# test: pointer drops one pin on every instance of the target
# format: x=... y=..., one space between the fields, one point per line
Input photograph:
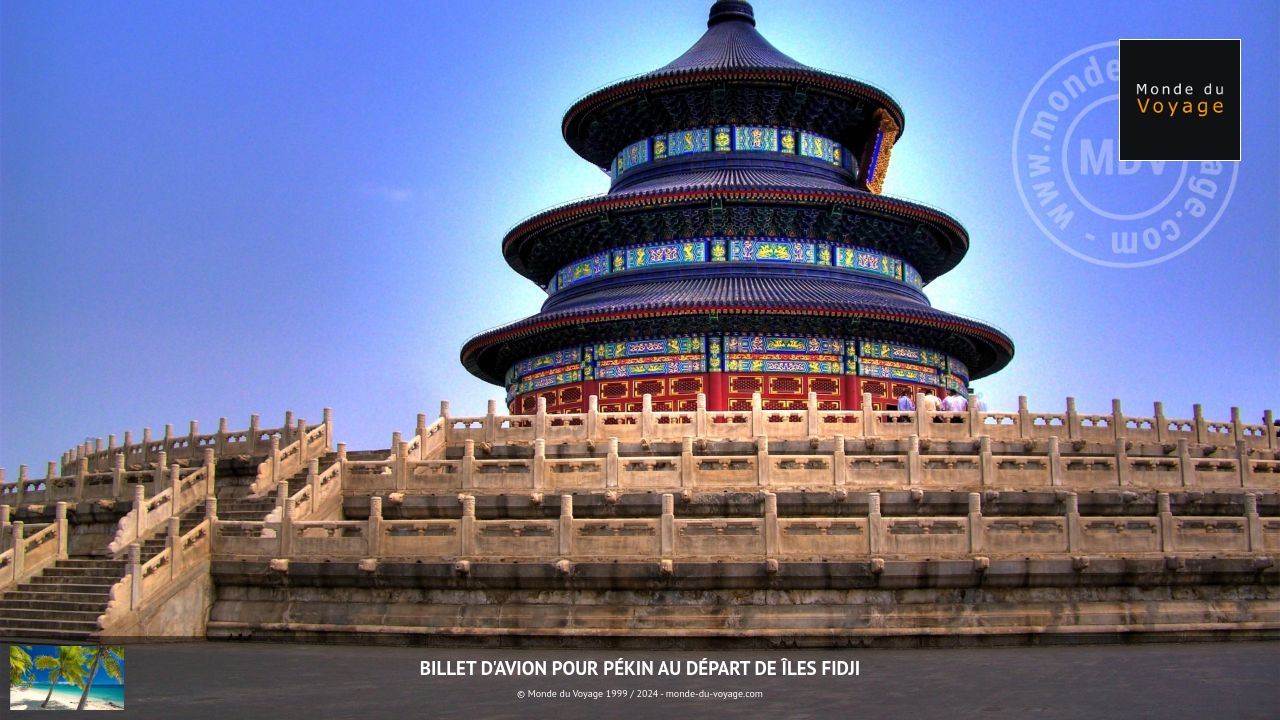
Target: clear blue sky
x=224 y=208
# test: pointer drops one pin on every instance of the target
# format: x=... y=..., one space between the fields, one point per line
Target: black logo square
x=1180 y=100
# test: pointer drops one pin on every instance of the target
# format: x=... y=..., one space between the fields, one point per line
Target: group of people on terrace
x=954 y=402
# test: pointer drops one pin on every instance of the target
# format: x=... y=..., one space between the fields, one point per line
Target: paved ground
x=223 y=681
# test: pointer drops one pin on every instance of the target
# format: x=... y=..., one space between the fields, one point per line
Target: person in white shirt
x=930 y=403
x=956 y=403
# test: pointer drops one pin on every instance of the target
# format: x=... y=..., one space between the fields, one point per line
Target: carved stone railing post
x=60 y=518
x=593 y=418
x=192 y=443
x=868 y=419
x=313 y=471
x=1253 y=522
x=612 y=464
x=839 y=465
x=875 y=523
x=5 y=512
x=1073 y=522
x=700 y=425
x=220 y=442
x=1242 y=463
x=975 y=522
x=468 y=525
x=139 y=509
x=300 y=437
x=373 y=533
x=173 y=541
x=1025 y=428
x=566 y=525
x=135 y=576
x=647 y=423
x=915 y=468
x=254 y=432
x=1237 y=427
x=327 y=419
x=1164 y=510
x=667 y=532
x=1055 y=462
x=287 y=429
x=1269 y=420
x=19 y=549
x=117 y=476
x=468 y=464
x=1074 y=431
x=446 y=426
x=772 y=536
x=1122 y=461
x=540 y=419
x=175 y=489
x=1117 y=419
x=22 y=486
x=539 y=469
x=986 y=461
x=491 y=421
x=1186 y=468
x=210 y=471
x=1202 y=430
x=211 y=514
x=166 y=445
x=282 y=494
x=686 y=462
x=50 y=472
x=286 y=527
x=762 y=460
x=82 y=472
x=1162 y=424
x=757 y=415
x=920 y=419
x=399 y=469
x=813 y=422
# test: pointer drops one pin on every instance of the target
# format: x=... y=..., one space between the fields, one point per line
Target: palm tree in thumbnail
x=110 y=657
x=67 y=665
x=19 y=664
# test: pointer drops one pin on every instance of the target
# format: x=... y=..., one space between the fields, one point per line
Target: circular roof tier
x=736 y=202
x=730 y=75
x=735 y=302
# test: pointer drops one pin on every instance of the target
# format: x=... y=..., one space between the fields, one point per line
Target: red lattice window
x=664 y=406
x=686 y=386
x=745 y=384
x=784 y=386
x=776 y=405
x=633 y=407
x=739 y=404
x=650 y=387
x=899 y=388
x=571 y=395
x=550 y=397
x=688 y=405
x=873 y=387
x=610 y=407
x=613 y=389
x=529 y=404
x=829 y=405
x=824 y=386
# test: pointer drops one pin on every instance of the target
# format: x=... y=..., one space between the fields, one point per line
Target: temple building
x=744 y=247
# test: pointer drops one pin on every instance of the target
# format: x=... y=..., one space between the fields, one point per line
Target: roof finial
x=724 y=10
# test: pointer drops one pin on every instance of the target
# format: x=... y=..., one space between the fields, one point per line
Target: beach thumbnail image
x=66 y=677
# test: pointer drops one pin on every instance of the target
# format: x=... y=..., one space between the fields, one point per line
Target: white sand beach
x=30 y=699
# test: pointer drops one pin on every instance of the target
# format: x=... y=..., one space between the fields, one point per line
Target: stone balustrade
x=711 y=464
x=254 y=440
x=27 y=556
x=1070 y=425
x=766 y=536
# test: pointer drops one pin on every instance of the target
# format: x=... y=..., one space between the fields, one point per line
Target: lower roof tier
x=730 y=301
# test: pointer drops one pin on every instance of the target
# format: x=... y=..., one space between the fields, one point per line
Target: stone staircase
x=63 y=602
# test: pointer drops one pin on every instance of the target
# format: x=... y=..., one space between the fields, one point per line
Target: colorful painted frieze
x=903 y=353
x=642 y=348
x=584 y=269
x=651 y=367
x=781 y=344
x=759 y=250
x=898 y=371
x=568 y=356
x=750 y=138
x=816 y=146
